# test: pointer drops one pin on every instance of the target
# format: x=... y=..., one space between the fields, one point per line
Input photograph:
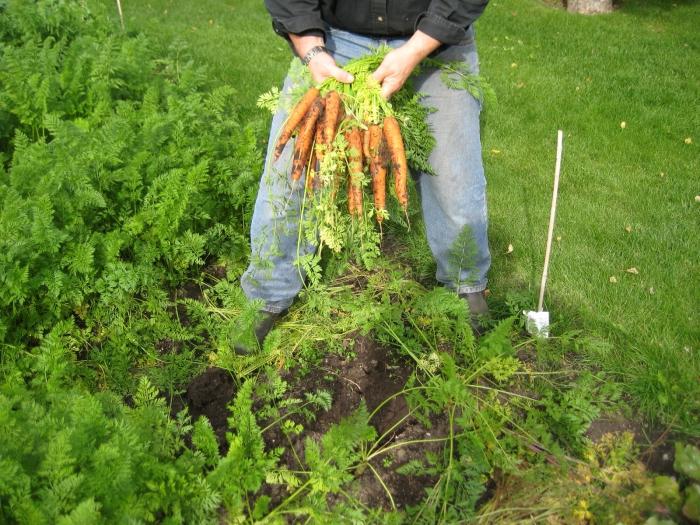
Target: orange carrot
x=374 y=139
x=304 y=142
x=365 y=145
x=352 y=206
x=394 y=143
x=354 y=139
x=331 y=117
x=312 y=172
x=377 y=169
x=319 y=148
x=294 y=119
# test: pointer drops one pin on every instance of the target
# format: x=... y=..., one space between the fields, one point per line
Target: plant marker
x=537 y=322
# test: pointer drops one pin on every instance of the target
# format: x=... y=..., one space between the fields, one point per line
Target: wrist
x=312 y=53
x=304 y=43
x=420 y=45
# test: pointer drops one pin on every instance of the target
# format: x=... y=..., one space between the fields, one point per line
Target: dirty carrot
x=365 y=145
x=304 y=142
x=377 y=169
x=394 y=142
x=331 y=117
x=319 y=148
x=294 y=119
x=354 y=139
x=312 y=172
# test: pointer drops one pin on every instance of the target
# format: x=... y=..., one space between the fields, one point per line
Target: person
x=325 y=34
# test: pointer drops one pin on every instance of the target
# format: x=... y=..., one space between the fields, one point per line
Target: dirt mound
x=370 y=376
x=209 y=394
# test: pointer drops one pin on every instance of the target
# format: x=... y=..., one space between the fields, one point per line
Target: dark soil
x=209 y=394
x=657 y=450
x=368 y=376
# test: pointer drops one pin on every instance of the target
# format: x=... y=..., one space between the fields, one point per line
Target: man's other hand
x=399 y=63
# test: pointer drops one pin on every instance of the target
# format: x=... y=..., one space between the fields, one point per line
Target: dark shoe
x=479 y=314
x=263 y=326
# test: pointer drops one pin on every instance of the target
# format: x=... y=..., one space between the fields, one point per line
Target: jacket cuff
x=299 y=24
x=440 y=28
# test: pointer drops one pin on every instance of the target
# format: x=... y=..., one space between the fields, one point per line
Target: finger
x=380 y=74
x=389 y=86
x=387 y=91
x=341 y=75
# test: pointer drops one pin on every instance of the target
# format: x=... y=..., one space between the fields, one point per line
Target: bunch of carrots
x=372 y=142
x=350 y=139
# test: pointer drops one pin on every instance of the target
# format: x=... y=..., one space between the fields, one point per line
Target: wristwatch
x=312 y=53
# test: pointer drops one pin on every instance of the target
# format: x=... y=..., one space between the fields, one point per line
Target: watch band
x=312 y=53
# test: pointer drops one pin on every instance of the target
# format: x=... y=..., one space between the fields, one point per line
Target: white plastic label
x=537 y=323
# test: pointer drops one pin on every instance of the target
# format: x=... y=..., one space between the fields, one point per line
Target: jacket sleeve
x=448 y=20
x=295 y=16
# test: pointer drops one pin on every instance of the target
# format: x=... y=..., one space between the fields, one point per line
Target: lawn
x=622 y=87
x=129 y=166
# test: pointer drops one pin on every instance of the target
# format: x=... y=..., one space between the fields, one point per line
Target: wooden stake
x=121 y=15
x=552 y=214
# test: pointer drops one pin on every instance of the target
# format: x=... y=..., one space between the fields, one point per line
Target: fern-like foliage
x=124 y=173
x=73 y=457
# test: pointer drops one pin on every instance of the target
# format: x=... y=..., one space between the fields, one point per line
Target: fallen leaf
x=510 y=249
x=623 y=124
x=628 y=228
x=613 y=279
x=632 y=270
x=662 y=174
x=651 y=290
x=697 y=198
x=496 y=151
x=514 y=65
x=688 y=140
x=558 y=238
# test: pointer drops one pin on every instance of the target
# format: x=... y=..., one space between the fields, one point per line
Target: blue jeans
x=453 y=201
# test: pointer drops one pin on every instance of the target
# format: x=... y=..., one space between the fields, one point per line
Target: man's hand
x=399 y=63
x=322 y=65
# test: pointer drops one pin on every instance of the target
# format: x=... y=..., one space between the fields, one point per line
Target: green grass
x=233 y=39
x=586 y=75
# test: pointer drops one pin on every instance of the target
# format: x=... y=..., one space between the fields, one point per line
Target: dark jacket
x=444 y=20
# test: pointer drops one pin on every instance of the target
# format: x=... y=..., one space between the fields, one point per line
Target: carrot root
x=304 y=142
x=294 y=119
x=394 y=142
